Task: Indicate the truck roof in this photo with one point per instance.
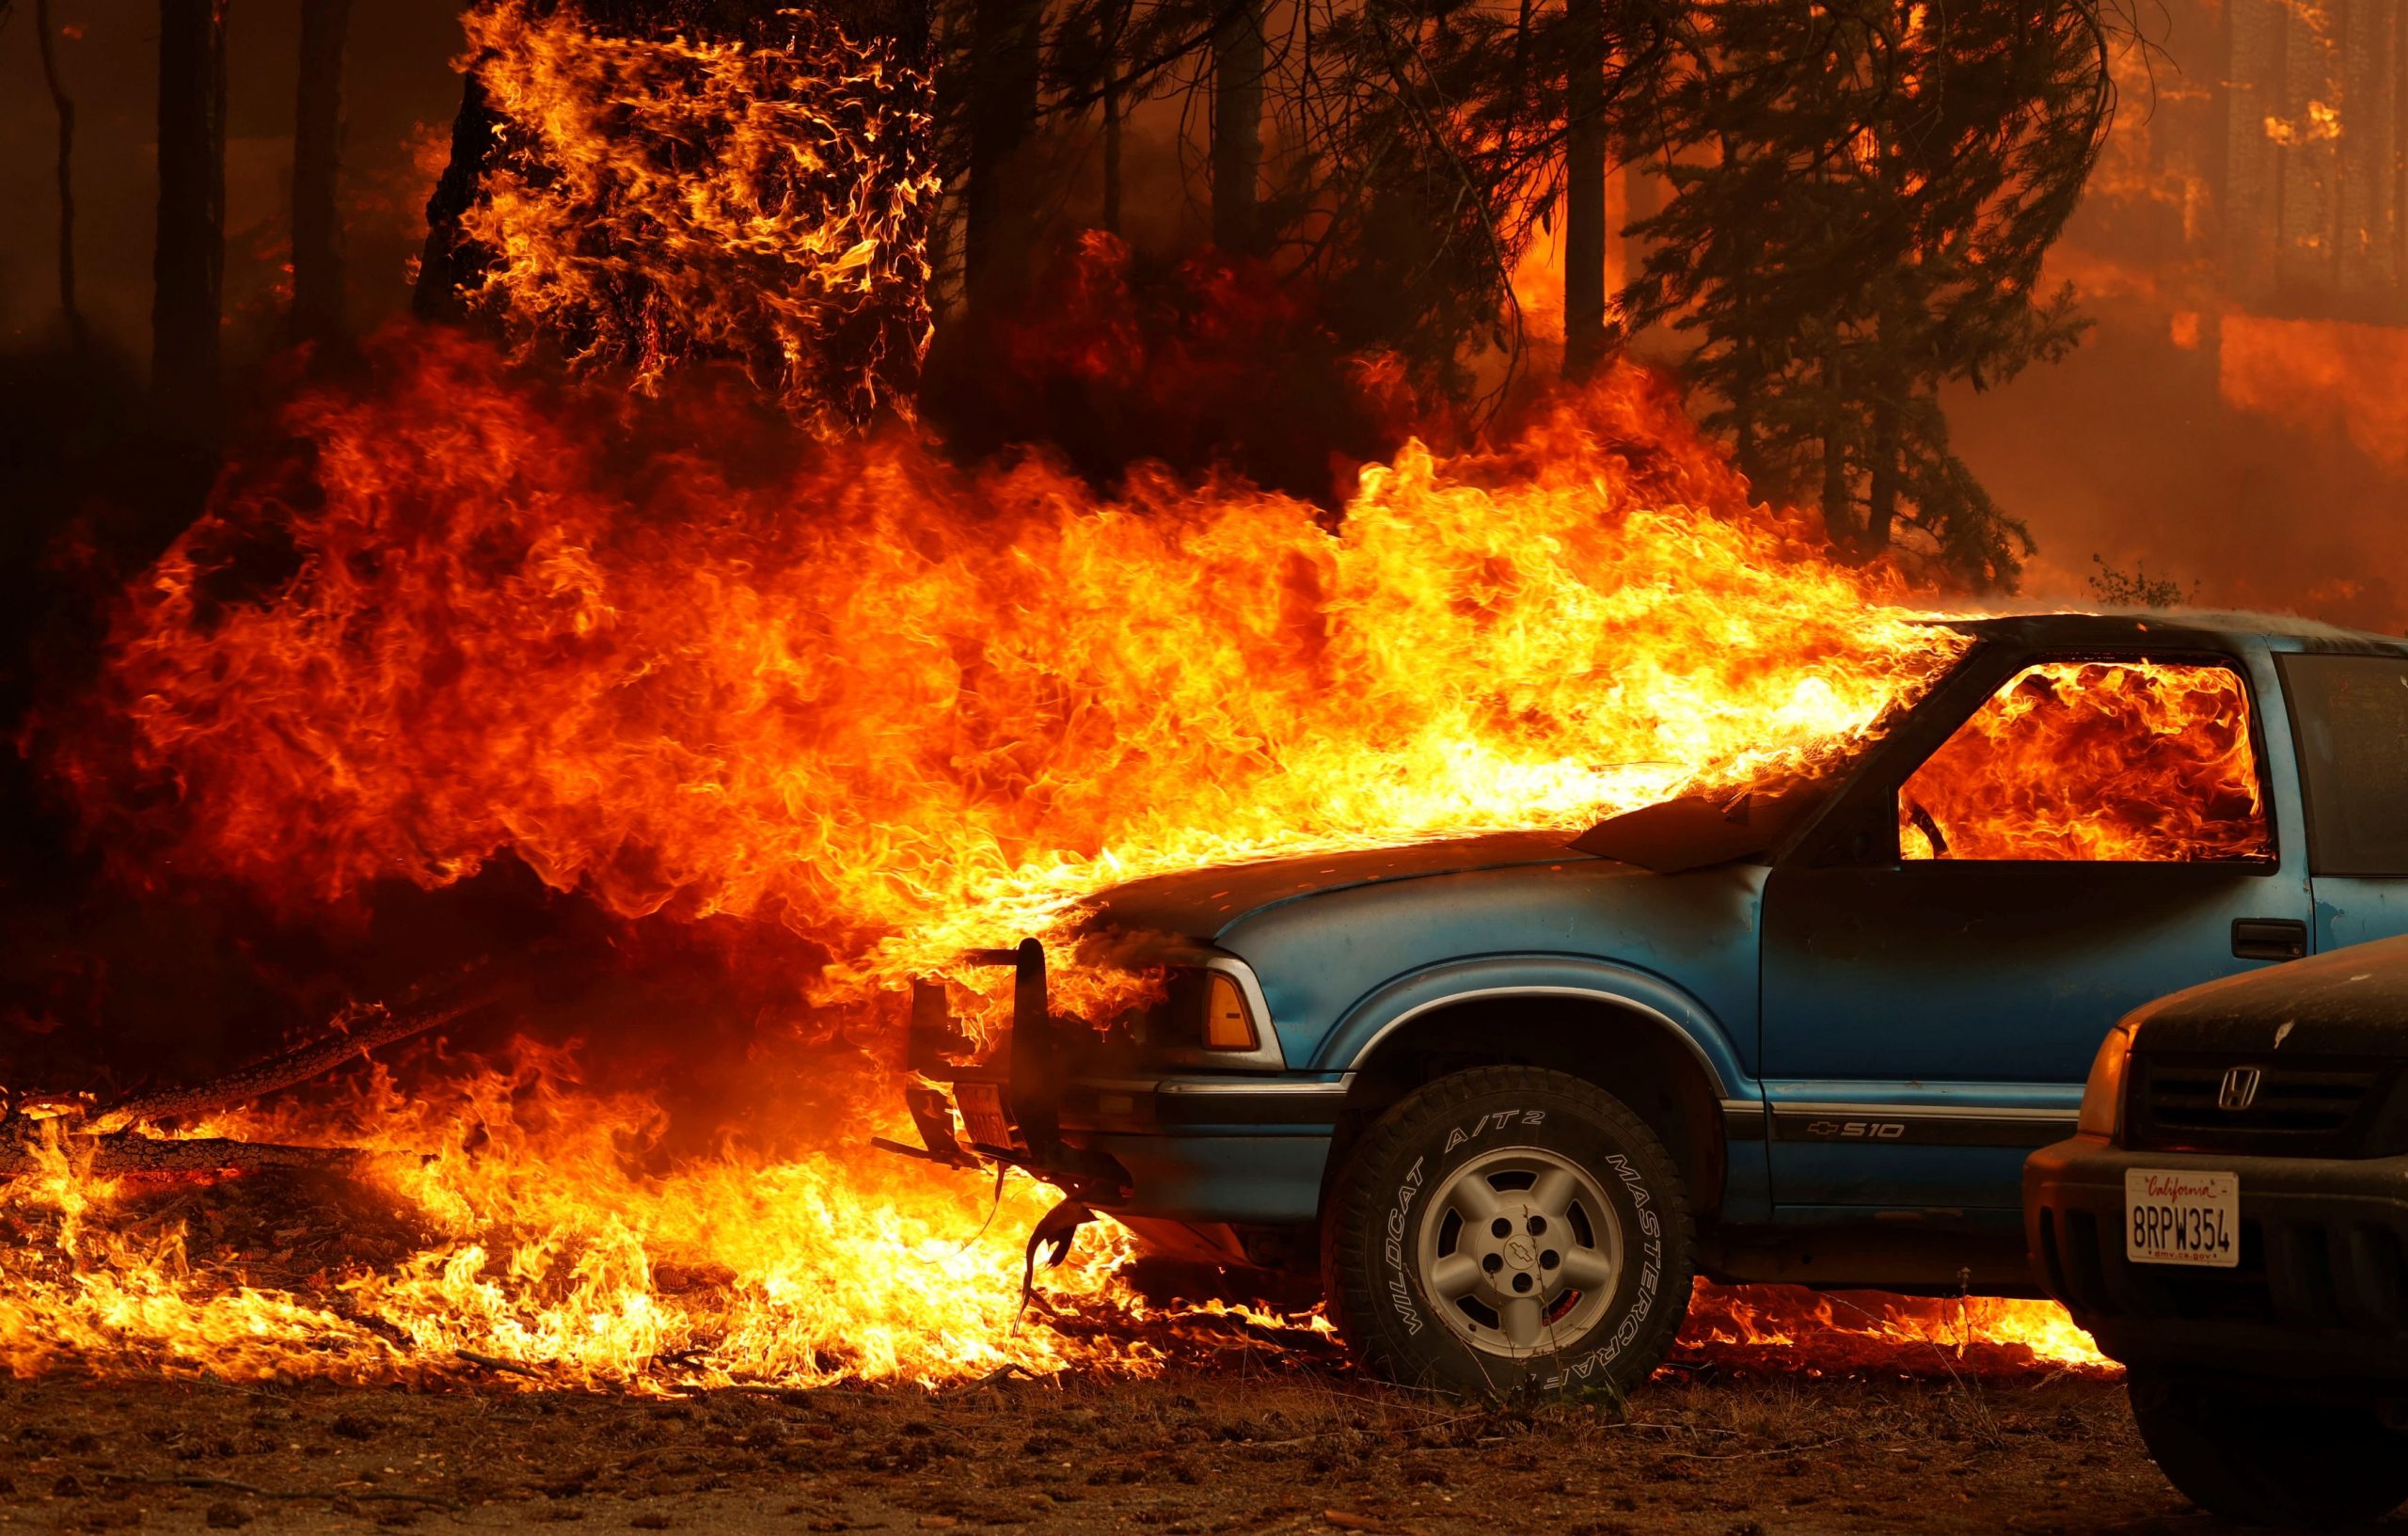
(2173, 626)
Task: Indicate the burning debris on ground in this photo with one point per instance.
(569, 947)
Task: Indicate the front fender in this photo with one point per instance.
(1397, 1001)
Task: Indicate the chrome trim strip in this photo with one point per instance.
(1189, 1088)
(1205, 1087)
(1894, 1109)
(1744, 1119)
(1705, 1063)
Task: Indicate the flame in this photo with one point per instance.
(2094, 761)
(654, 199)
(2321, 122)
(546, 1251)
(1787, 1328)
(904, 710)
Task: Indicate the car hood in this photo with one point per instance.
(2350, 1002)
(1199, 903)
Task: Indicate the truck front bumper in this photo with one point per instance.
(2320, 1291)
(1194, 1147)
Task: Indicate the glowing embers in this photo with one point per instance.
(2100, 760)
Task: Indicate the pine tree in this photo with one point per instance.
(1864, 191)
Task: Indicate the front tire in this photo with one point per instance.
(1509, 1229)
(2245, 1456)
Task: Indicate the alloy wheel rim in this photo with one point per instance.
(1520, 1251)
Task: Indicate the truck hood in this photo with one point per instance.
(1198, 905)
(2350, 1002)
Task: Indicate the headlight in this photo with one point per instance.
(2102, 1097)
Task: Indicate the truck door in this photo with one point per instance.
(2350, 718)
(2053, 840)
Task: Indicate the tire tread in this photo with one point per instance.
(1390, 1135)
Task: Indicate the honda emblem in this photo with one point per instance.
(2240, 1089)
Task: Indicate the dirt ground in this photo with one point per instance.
(1222, 1450)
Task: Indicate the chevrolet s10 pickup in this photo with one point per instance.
(1508, 1094)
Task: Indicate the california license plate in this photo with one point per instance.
(2180, 1217)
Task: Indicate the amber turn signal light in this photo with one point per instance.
(1226, 1027)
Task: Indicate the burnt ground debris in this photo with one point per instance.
(1239, 1449)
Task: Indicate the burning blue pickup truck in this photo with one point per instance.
(1509, 1094)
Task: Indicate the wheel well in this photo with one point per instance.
(1625, 1051)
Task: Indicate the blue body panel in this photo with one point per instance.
(1338, 969)
(1885, 1036)
(1229, 1176)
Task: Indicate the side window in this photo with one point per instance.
(2352, 716)
(2132, 761)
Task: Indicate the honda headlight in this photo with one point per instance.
(2103, 1096)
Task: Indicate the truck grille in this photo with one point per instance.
(2304, 1107)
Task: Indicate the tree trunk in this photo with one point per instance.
(450, 262)
(1000, 204)
(1236, 131)
(1747, 445)
(189, 265)
(1839, 490)
(1584, 192)
(1882, 491)
(317, 160)
(1111, 152)
(66, 173)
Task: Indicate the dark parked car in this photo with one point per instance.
(1507, 1094)
(2231, 1222)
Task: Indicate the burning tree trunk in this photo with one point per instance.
(189, 268)
(317, 158)
(450, 259)
(1237, 130)
(66, 172)
(1001, 204)
(1584, 212)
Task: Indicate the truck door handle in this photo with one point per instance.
(2269, 938)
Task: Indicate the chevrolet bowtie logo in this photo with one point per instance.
(2240, 1090)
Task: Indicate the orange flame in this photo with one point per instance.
(2095, 761)
(1787, 1329)
(905, 711)
(654, 199)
